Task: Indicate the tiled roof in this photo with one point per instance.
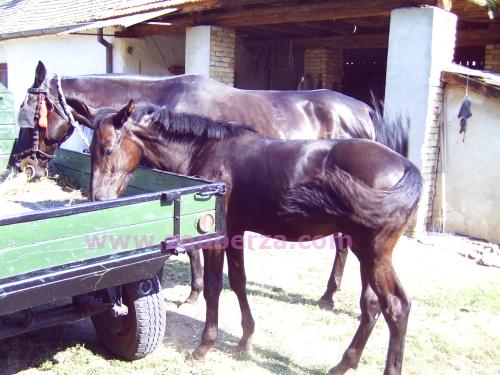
(31, 17)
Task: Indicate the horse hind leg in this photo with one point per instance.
(333, 286)
(394, 304)
(396, 309)
(196, 275)
(370, 311)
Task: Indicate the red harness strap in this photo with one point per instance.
(43, 112)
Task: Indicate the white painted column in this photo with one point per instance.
(421, 44)
(198, 50)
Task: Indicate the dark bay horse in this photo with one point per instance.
(283, 114)
(276, 187)
(317, 114)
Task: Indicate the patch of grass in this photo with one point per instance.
(452, 326)
(483, 298)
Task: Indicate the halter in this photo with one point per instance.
(43, 94)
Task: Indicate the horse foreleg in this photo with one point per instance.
(196, 275)
(396, 309)
(214, 262)
(333, 286)
(370, 311)
(237, 280)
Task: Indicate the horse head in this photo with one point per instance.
(46, 119)
(114, 153)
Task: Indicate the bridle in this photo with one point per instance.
(43, 94)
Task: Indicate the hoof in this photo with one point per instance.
(199, 353)
(192, 299)
(245, 346)
(325, 305)
(336, 371)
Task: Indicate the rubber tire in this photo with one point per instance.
(144, 324)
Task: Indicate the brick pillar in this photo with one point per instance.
(416, 58)
(492, 58)
(222, 47)
(325, 64)
(210, 52)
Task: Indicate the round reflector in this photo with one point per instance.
(205, 223)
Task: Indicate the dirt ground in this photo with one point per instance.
(453, 328)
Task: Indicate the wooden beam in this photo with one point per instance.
(476, 38)
(330, 27)
(291, 30)
(471, 38)
(205, 5)
(357, 41)
(473, 84)
(290, 12)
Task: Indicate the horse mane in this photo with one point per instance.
(165, 122)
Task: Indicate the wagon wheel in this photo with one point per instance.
(138, 333)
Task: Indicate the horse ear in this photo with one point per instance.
(123, 115)
(40, 74)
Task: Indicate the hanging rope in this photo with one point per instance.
(464, 113)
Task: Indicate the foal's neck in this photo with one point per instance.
(170, 154)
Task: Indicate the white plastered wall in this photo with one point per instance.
(470, 196)
(83, 54)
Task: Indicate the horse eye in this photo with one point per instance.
(108, 151)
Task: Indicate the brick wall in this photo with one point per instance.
(431, 156)
(222, 47)
(325, 64)
(492, 58)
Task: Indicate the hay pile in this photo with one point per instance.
(18, 195)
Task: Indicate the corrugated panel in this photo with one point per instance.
(121, 21)
(29, 17)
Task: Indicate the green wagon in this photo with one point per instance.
(102, 259)
(7, 126)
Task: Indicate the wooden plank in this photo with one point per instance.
(6, 146)
(6, 101)
(143, 179)
(45, 254)
(482, 88)
(356, 41)
(7, 117)
(40, 255)
(193, 203)
(4, 162)
(79, 178)
(7, 132)
(154, 181)
(362, 41)
(476, 38)
(271, 14)
(301, 12)
(25, 233)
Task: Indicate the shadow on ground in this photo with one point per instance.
(33, 349)
(184, 333)
(177, 272)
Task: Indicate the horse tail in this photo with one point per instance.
(338, 193)
(391, 133)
